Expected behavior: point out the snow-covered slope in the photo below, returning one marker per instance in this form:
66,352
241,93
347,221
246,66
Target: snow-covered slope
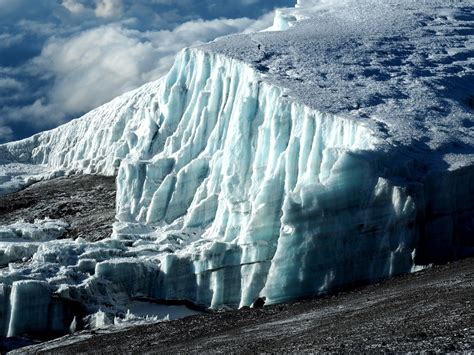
95,143
335,148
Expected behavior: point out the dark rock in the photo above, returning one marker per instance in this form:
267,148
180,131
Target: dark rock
259,302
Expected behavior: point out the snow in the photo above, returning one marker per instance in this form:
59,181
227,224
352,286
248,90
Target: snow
332,149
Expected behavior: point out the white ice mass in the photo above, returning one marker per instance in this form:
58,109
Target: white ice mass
335,148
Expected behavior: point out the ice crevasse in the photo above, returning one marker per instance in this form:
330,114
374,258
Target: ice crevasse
230,188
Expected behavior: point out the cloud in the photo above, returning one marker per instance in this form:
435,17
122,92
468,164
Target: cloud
8,40
9,84
85,75
73,6
39,113
109,8
6,133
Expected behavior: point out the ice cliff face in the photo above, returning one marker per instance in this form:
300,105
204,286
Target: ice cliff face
282,199
236,179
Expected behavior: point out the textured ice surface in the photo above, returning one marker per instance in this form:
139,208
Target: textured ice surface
40,230
335,148
20,241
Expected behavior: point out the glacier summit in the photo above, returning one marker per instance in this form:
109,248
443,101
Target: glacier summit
333,149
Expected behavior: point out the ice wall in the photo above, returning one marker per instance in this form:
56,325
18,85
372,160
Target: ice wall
288,202
227,190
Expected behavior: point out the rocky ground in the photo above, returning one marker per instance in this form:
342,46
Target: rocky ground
86,202
428,311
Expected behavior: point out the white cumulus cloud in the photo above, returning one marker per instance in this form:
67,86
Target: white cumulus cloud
74,6
109,8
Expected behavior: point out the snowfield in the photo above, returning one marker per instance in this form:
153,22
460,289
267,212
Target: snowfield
333,149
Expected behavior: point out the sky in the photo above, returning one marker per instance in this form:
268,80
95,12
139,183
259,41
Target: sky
61,58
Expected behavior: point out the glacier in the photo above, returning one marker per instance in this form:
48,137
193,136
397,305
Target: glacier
336,148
